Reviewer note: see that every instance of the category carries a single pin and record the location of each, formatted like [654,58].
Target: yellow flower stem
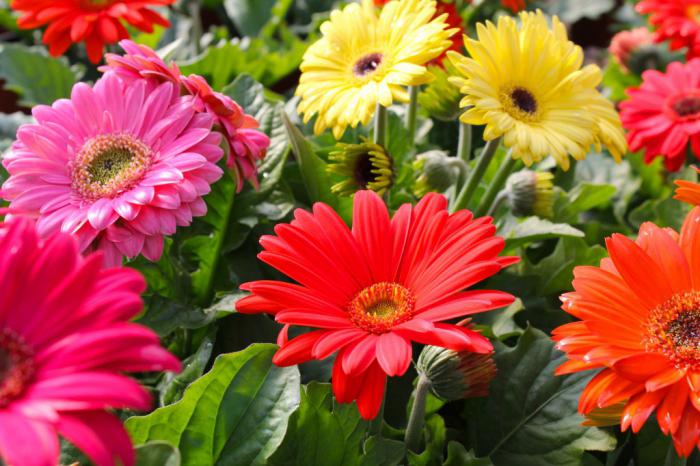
[476,175]
[380,125]
[416,420]
[412,115]
[464,148]
[486,205]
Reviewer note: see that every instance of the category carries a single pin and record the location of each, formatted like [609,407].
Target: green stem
[412,115]
[476,175]
[464,147]
[195,11]
[380,125]
[502,196]
[417,418]
[509,163]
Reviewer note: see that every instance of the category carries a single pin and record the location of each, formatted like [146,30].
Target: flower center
[520,103]
[673,329]
[367,64]
[16,366]
[687,106]
[108,165]
[363,170]
[382,306]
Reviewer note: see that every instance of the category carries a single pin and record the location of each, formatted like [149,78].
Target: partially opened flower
[371,291]
[676,21]
[526,83]
[95,22]
[626,43]
[246,144]
[365,59]
[362,166]
[65,343]
[118,165]
[639,318]
[688,191]
[662,115]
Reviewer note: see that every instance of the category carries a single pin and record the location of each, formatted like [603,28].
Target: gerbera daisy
[626,43]
[365,59]
[95,22]
[364,166]
[662,115]
[525,83]
[688,191]
[372,290]
[246,144]
[677,21]
[65,342]
[120,166]
[640,314]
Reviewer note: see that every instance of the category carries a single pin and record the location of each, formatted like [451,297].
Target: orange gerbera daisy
[688,191]
[640,323]
[95,22]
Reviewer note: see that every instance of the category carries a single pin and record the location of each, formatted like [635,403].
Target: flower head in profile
[531,193]
[626,43]
[676,21]
[662,115]
[95,22]
[65,342]
[639,318]
[372,290]
[118,165]
[365,58]
[525,83]
[363,166]
[688,191]
[246,144]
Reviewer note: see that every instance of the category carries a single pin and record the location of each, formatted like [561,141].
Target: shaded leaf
[157,454]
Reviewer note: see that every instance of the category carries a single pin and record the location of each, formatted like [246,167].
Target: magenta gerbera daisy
[246,144]
[65,341]
[119,165]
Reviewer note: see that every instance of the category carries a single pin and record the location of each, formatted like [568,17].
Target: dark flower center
[16,366]
[673,329]
[687,106]
[684,330]
[363,170]
[367,64]
[524,100]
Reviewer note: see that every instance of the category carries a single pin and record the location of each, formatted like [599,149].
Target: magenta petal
[101,214]
[24,442]
[162,176]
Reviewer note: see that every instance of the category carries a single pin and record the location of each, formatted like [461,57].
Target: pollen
[380,307]
[16,366]
[108,165]
[520,103]
[673,329]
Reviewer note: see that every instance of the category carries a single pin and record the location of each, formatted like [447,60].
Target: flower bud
[531,193]
[626,43]
[436,172]
[441,98]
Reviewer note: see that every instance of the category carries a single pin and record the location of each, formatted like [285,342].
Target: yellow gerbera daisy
[364,59]
[526,83]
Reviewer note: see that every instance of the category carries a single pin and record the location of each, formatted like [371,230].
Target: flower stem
[464,147]
[417,418]
[380,125]
[509,163]
[412,115]
[475,176]
[195,11]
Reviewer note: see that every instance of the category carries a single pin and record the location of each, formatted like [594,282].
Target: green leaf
[380,451]
[530,417]
[435,437]
[236,414]
[535,229]
[36,77]
[586,196]
[249,16]
[172,386]
[157,454]
[322,432]
[457,455]
[165,315]
[500,323]
[571,11]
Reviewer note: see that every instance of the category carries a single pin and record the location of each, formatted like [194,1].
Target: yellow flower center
[108,165]
[16,366]
[367,64]
[673,329]
[380,307]
[520,103]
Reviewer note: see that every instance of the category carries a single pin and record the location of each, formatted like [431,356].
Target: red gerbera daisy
[677,21]
[372,290]
[640,315]
[95,22]
[65,342]
[663,114]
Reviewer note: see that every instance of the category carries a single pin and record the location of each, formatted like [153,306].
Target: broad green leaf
[165,315]
[457,455]
[236,414]
[321,432]
[380,451]
[172,386]
[157,454]
[535,229]
[34,75]
[530,417]
[586,196]
[249,16]
[500,322]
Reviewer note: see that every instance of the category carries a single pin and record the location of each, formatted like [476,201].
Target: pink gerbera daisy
[119,165]
[663,114]
[65,340]
[677,21]
[373,290]
[246,144]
